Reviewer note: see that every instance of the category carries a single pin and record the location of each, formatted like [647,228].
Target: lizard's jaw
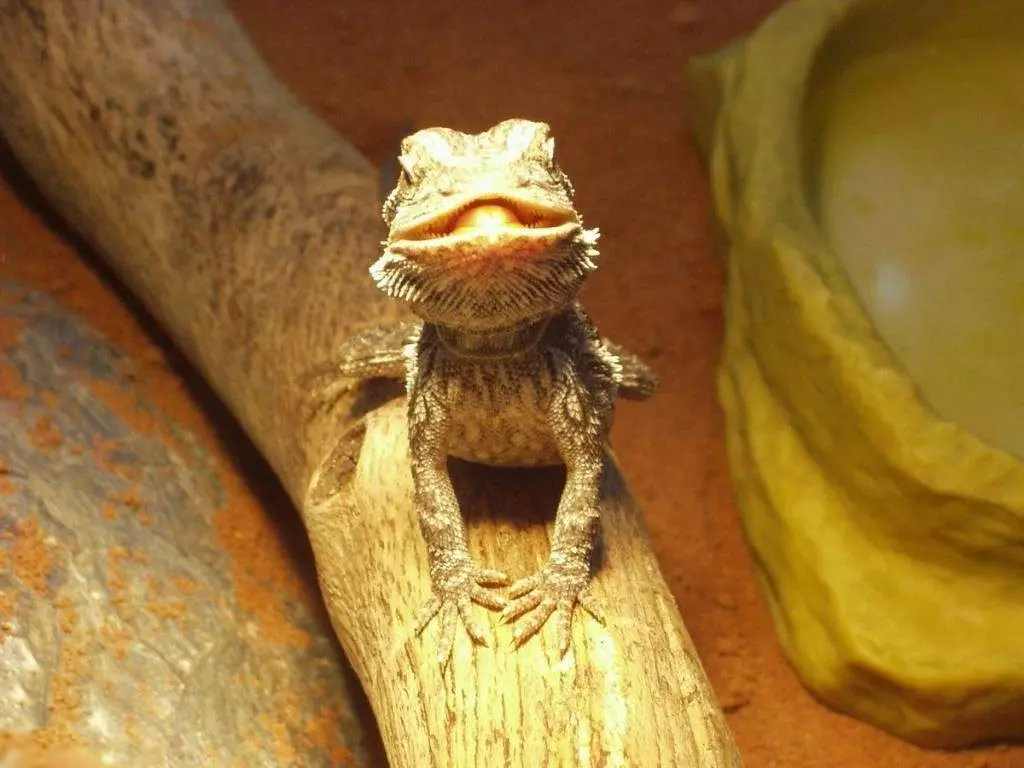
[488,226]
[488,262]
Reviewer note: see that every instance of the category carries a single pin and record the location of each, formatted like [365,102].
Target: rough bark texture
[246,227]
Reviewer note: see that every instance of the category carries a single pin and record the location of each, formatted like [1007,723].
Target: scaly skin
[505,368]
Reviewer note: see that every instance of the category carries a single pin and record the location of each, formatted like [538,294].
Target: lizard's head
[482,228]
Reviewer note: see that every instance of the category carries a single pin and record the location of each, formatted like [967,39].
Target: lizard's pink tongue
[486,217]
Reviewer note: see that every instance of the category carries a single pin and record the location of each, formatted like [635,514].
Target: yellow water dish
[867,166]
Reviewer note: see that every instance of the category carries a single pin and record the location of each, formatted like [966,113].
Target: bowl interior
[914,128]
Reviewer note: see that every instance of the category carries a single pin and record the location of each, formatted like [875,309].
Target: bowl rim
[745,155]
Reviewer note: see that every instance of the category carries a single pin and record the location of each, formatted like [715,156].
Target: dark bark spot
[36,17]
[167,127]
[140,166]
[245,181]
[300,241]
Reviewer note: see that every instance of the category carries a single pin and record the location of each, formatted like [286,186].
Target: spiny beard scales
[467,290]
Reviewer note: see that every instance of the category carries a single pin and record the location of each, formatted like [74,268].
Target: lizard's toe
[531,624]
[487,598]
[521,605]
[555,590]
[446,642]
[593,606]
[472,628]
[491,577]
[455,591]
[426,614]
[525,585]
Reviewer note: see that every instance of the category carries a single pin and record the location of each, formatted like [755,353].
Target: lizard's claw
[455,591]
[556,589]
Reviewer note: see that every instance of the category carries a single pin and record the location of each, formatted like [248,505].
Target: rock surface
[125,620]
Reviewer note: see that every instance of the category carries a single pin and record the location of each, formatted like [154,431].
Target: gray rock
[125,624]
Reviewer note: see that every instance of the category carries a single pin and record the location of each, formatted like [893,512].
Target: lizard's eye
[405,175]
[549,151]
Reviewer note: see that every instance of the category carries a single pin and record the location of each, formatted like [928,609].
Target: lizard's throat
[480,290]
[493,343]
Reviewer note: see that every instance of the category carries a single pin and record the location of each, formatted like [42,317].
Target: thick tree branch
[246,226]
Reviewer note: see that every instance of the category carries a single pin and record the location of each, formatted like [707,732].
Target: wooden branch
[246,226]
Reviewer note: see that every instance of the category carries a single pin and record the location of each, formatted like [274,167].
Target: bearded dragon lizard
[503,367]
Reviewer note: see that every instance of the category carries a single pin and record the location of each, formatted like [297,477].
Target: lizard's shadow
[516,500]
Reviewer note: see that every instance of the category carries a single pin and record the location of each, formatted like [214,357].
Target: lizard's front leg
[457,580]
[578,425]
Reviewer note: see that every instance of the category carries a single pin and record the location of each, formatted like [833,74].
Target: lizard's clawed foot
[455,591]
[556,589]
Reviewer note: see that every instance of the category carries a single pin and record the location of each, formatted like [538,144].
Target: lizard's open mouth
[493,217]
